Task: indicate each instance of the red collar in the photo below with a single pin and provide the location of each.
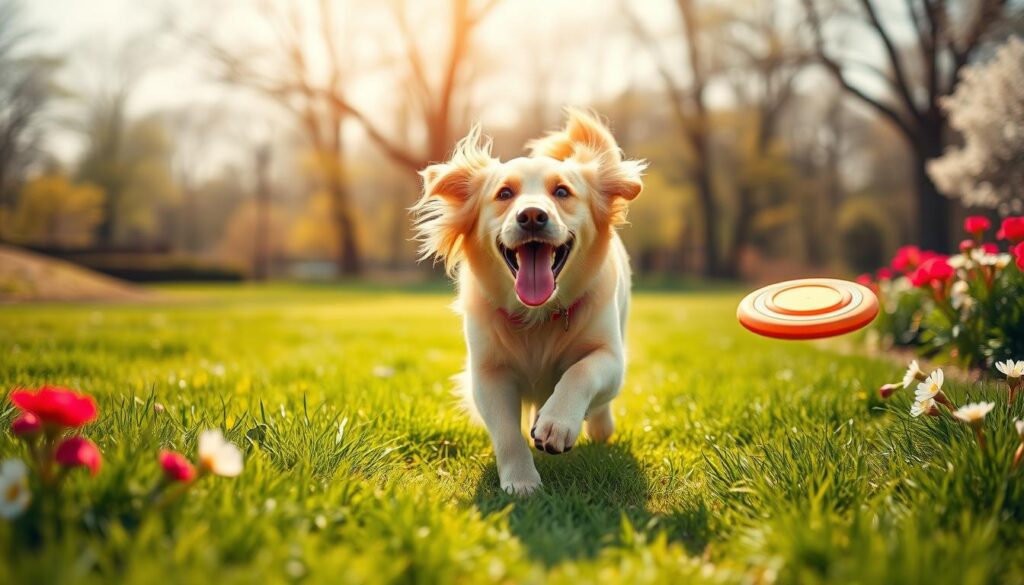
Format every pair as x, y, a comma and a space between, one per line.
563, 314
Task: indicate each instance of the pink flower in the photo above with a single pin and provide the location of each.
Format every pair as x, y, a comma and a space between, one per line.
932, 271
1012, 229
176, 467
1018, 251
884, 273
79, 452
26, 425
56, 406
977, 225
990, 248
865, 280
906, 258
966, 245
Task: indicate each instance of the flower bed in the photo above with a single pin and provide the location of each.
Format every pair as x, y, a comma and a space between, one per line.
967, 308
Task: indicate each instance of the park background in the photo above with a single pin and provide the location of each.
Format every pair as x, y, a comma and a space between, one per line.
204, 228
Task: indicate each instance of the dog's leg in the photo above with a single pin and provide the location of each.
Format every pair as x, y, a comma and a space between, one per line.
589, 384
500, 407
600, 424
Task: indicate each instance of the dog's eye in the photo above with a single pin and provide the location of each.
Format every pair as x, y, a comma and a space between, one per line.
561, 192
505, 194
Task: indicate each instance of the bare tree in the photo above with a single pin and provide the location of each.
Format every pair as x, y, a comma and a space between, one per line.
25, 86
321, 101
688, 102
947, 34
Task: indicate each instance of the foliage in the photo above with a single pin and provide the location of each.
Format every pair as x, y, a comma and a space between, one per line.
738, 459
987, 108
53, 211
965, 308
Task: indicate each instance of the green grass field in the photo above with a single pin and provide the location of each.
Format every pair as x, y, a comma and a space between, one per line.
738, 459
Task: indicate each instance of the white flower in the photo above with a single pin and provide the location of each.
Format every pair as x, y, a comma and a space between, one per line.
922, 407
983, 258
218, 456
974, 413
959, 261
1003, 260
913, 373
1020, 428
958, 294
930, 387
14, 492
1011, 369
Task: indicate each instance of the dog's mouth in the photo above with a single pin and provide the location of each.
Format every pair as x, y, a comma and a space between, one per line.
535, 266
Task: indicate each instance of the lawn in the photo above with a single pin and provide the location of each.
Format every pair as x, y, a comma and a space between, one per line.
738, 459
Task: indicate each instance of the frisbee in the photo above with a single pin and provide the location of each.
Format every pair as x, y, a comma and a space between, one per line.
809, 308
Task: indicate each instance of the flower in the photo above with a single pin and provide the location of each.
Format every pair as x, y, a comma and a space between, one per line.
26, 425
974, 413
865, 280
887, 389
926, 406
884, 273
79, 452
1018, 251
966, 245
935, 270
14, 492
977, 225
1012, 229
1003, 260
931, 386
959, 296
906, 257
219, 456
983, 258
990, 248
176, 467
56, 406
913, 373
1020, 428
1011, 369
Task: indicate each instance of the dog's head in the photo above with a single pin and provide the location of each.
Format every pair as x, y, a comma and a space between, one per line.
536, 225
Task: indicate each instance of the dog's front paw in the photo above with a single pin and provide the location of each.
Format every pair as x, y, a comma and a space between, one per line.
553, 434
521, 484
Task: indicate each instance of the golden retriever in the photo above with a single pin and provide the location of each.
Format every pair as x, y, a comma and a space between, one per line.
544, 283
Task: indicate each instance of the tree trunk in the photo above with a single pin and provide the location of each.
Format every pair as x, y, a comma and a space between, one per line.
707, 203
740, 232
261, 245
933, 208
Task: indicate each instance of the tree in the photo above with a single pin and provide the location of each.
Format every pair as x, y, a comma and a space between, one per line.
25, 88
941, 48
987, 109
321, 102
688, 101
53, 211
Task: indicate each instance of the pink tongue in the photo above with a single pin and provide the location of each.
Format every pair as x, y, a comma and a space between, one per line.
535, 281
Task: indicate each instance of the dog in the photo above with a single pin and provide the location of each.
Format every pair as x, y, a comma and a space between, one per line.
543, 283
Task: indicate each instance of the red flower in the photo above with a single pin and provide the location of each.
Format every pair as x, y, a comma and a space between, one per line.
990, 248
26, 425
79, 451
1018, 251
56, 406
932, 271
176, 467
865, 280
906, 258
977, 225
1012, 229
966, 245
884, 274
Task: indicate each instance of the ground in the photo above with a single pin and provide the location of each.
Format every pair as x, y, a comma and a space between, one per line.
738, 459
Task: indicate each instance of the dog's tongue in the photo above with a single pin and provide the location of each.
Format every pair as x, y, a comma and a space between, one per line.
535, 281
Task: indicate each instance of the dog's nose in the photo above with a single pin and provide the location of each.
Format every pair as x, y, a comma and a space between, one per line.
532, 219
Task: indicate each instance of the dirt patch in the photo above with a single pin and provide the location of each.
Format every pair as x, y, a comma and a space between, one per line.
26, 276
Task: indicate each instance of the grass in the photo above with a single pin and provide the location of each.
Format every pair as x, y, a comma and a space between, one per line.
738, 459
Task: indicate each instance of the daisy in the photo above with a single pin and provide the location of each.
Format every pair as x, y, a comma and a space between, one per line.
1020, 428
1011, 369
931, 386
14, 493
1003, 260
974, 413
920, 407
219, 456
913, 373
959, 296
960, 261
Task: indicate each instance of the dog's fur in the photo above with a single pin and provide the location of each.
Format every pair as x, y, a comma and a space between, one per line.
520, 356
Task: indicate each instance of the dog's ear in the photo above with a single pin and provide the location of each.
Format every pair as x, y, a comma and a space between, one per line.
444, 215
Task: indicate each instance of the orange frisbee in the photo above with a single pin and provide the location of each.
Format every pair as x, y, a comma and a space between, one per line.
809, 308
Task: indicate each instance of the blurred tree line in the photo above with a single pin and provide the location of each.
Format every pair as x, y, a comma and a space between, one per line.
783, 136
